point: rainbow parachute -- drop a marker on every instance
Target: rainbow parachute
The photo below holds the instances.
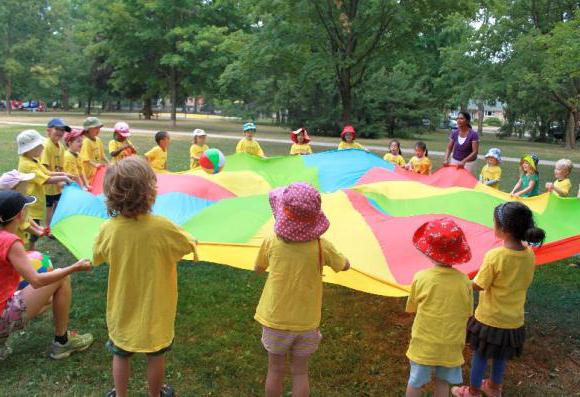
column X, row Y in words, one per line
column 373, row 207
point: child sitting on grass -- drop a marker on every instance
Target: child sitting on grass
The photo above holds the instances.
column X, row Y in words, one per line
column 92, row 153
column 562, row 185
column 497, row 331
column 157, row 157
column 198, row 147
column 120, row 146
column 142, row 251
column 442, row 299
column 529, row 183
column 301, row 141
column 248, row 144
column 491, row 172
column 348, row 139
column 394, row 155
column 52, row 158
column 72, row 162
column 291, row 302
column 420, row 162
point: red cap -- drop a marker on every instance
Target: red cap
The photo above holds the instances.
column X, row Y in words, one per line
column 348, row 128
column 71, row 135
column 294, row 135
column 443, row 241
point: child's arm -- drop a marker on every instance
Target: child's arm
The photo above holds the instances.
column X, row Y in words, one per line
column 262, row 262
column 517, row 186
column 530, row 187
column 561, row 193
column 58, row 180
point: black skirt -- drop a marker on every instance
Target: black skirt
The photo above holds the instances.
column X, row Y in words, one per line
column 495, row 343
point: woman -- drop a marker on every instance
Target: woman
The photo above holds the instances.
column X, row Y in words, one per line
column 463, row 144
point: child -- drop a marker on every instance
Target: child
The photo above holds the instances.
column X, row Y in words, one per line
column 157, row 157
column 139, row 320
column 92, row 153
column 248, row 144
column 420, row 162
column 45, row 289
column 348, row 139
column 198, row 147
column 497, row 330
column 491, row 172
column 301, row 141
column 291, row 302
column 562, row 185
column 442, row 297
column 30, row 147
column 52, row 158
column 529, row 181
column 120, row 146
column 72, row 162
column 394, row 154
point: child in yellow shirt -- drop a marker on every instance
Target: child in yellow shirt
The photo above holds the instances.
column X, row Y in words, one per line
column 157, row 157
column 92, row 152
column 52, row 158
column 291, row 303
column 198, row 147
column 72, row 162
column 491, row 172
column 141, row 304
column 120, row 146
column 442, row 299
column 394, row 155
column 301, row 141
column 348, row 139
column 496, row 332
column 420, row 162
column 248, row 144
column 562, row 185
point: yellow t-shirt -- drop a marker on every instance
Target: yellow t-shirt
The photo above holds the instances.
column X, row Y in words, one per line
column 490, row 173
column 353, row 145
column 398, row 159
column 564, row 185
column 142, row 286
column 292, row 297
column 52, row 158
column 115, row 145
column 195, row 151
column 92, row 151
column 421, row 165
column 505, row 276
column 297, row 148
column 442, row 297
column 35, row 186
column 250, row 147
column 73, row 164
column 22, row 231
column 157, row 158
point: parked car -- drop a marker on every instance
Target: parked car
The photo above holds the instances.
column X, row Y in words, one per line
column 558, row 131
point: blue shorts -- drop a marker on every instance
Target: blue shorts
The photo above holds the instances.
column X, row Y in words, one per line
column 117, row 351
column 421, row 374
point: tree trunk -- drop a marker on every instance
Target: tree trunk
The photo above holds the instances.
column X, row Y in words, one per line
column 173, row 97
column 571, row 129
column 480, row 115
column 9, row 95
column 463, row 107
column 64, row 97
column 89, row 104
column 147, row 108
column 345, row 85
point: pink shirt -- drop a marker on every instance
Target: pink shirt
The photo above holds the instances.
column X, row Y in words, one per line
column 9, row 277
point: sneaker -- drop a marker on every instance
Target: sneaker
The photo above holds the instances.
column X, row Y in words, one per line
column 5, row 350
column 488, row 390
column 76, row 343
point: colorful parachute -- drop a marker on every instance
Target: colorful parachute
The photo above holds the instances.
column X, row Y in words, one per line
column 373, row 207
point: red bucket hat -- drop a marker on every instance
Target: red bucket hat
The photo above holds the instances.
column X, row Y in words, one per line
column 443, row 241
column 294, row 135
column 348, row 128
column 298, row 214
column 71, row 135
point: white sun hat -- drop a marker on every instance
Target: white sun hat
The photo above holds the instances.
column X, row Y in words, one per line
column 28, row 140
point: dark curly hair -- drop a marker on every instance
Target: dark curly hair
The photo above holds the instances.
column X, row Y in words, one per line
column 517, row 220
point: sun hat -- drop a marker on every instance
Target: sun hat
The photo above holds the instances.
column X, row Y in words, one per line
column 199, row 132
column 122, row 129
column 72, row 135
column 11, row 203
column 249, row 126
column 348, row 129
column 91, row 122
column 294, row 135
column 10, row 179
column 28, row 140
column 443, row 241
column 532, row 159
column 58, row 123
column 298, row 213
column 495, row 153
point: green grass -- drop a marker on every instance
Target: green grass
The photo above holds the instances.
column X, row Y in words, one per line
column 218, row 351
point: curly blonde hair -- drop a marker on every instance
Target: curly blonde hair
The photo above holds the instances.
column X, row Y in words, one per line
column 130, row 188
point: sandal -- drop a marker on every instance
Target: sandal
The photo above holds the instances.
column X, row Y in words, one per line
column 462, row 391
column 490, row 391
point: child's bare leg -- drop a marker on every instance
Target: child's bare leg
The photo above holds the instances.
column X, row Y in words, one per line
column 155, row 374
column 413, row 391
column 276, row 372
column 121, row 372
column 300, row 381
column 441, row 388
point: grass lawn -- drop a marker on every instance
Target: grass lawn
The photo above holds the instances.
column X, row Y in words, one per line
column 218, row 351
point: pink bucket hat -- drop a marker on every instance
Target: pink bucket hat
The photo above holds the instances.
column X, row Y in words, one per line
column 297, row 213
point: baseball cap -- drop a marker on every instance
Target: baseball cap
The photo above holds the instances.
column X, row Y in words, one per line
column 10, row 179
column 58, row 123
column 11, row 203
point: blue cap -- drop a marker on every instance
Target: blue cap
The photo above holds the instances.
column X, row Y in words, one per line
column 58, row 123
column 249, row 126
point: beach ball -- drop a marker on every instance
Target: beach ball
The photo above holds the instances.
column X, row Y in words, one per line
column 212, row 161
column 41, row 264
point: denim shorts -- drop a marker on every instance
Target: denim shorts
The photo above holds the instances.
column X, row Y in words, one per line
column 117, row 351
column 421, row 374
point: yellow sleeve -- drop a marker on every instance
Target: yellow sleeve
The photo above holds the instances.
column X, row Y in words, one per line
column 469, row 300
column 240, row 146
column 486, row 273
column 102, row 150
column 341, row 145
column 400, row 161
column 411, row 306
column 45, row 156
column 331, row 257
column 565, row 186
column 358, row 146
column 99, row 246
column 260, row 151
column 309, row 149
column 112, row 147
column 430, row 164
column 40, row 176
column 293, row 149
column 179, row 242
column 262, row 261
column 150, row 155
column 85, row 153
column 69, row 165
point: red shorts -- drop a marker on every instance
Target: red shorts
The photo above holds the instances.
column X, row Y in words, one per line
column 13, row 317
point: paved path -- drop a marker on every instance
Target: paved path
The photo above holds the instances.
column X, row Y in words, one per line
column 282, row 141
